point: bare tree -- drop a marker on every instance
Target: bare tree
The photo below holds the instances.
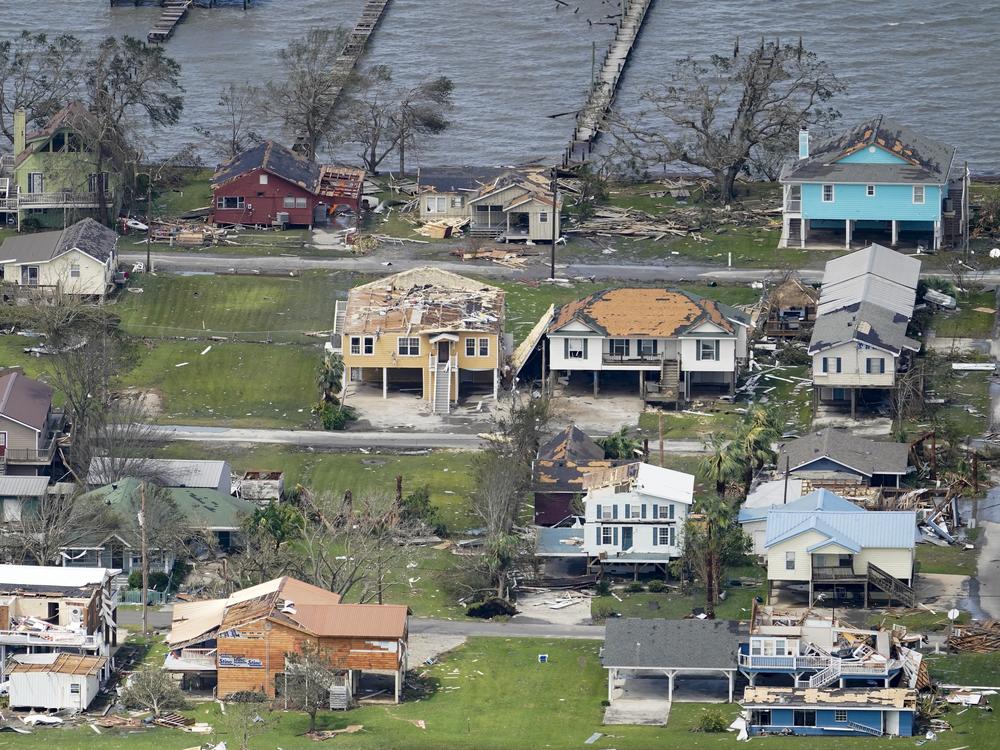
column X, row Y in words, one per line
column 302, row 97
column 48, row 525
column 119, row 441
column 38, row 74
column 720, row 112
column 239, row 104
column 152, row 689
column 243, row 721
column 308, row 679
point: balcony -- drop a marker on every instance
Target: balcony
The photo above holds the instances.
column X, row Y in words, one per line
column 783, row 663
column 191, row 660
column 836, row 573
column 55, row 637
column 64, row 199
column 633, row 358
column 47, row 444
column 793, row 205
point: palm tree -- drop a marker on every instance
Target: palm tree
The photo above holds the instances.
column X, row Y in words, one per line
column 705, row 544
column 620, row 444
column 330, row 378
column 754, row 443
column 720, row 465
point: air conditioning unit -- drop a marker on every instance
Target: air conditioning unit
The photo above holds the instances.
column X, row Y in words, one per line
column 282, row 217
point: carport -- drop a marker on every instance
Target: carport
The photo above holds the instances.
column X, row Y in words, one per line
column 650, row 650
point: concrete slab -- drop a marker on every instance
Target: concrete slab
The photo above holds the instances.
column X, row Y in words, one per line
column 642, row 700
column 408, row 411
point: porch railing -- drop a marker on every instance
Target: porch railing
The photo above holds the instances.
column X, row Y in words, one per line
column 64, row 198
column 784, row 662
column 793, row 205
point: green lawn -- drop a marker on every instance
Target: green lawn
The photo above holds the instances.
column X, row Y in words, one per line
column 193, row 191
column 258, row 385
column 965, row 669
column 916, row 620
column 967, row 322
column 255, row 307
column 493, row 694
column 952, row 560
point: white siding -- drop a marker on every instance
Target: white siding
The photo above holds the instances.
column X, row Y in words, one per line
column 643, row 529
column 725, row 363
column 853, row 367
column 895, row 562
column 557, row 353
column 50, row 690
column 93, row 280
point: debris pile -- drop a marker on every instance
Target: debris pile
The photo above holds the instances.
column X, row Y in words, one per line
column 981, row 638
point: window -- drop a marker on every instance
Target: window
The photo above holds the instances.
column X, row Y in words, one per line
column 362, row 345
column 263, row 179
column 604, row 512
column 708, row 349
column 543, row 217
column 828, row 193
column 664, row 512
column 74, row 688
column 457, row 201
column 666, row 536
column 789, row 561
column 231, row 201
column 29, row 275
column 605, row 535
column 74, row 270
column 576, row 348
column 484, row 347
column 647, row 347
column 831, row 364
column 470, row 347
column 36, row 182
column 409, row 346
column 840, row 715
column 870, row 191
column 301, row 203
column 760, row 717
column 288, row 202
column 918, row 195
column 97, row 183
column 875, row 366
column 633, row 511
column 618, row 347
column 437, row 205
column 804, row 718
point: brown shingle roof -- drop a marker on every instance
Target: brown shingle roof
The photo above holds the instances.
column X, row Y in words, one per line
column 642, row 312
column 25, row 400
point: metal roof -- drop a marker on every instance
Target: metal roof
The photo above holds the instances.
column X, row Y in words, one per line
column 876, row 274
column 171, row 472
column 26, row 577
column 821, row 500
column 671, row 644
column 876, row 529
column 200, row 507
column 841, row 446
column 559, row 542
column 15, row 486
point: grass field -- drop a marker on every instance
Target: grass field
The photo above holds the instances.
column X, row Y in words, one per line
column 951, row 560
column 967, row 322
column 493, row 694
column 916, row 620
column 965, row 669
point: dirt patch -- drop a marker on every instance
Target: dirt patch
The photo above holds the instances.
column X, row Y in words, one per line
column 424, row 646
column 151, row 402
column 551, row 607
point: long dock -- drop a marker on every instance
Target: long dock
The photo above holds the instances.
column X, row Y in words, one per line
column 174, row 11
column 594, row 113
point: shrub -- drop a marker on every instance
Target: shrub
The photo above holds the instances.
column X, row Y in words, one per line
column 157, row 581
column 656, row 586
column 712, row 721
column 603, row 587
column 635, row 587
column 602, row 611
column 334, row 417
column 605, row 703
column 491, row 608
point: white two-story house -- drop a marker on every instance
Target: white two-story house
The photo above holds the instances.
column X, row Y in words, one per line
column 634, row 518
column 859, row 343
column 673, row 342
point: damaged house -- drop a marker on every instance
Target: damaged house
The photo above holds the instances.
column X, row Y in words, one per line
column 880, row 181
column 239, row 644
column 425, row 331
column 557, row 474
column 791, row 308
column 671, row 343
column 883, row 712
column 859, row 345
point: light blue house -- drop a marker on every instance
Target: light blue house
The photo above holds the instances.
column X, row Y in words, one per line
column 840, row 712
column 878, row 182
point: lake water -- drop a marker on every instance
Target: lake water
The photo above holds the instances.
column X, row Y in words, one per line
column 514, row 63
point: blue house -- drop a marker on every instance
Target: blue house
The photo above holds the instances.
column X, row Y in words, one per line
column 878, row 182
column 880, row 712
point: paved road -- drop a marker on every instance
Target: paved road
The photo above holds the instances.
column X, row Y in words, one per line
column 512, row 629
column 359, row 439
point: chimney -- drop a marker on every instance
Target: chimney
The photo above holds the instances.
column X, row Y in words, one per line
column 804, row 143
column 20, row 124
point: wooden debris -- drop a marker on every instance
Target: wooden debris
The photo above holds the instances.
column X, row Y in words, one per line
column 983, row 638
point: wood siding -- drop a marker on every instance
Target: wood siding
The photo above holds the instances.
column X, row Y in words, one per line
column 18, row 436
column 263, row 203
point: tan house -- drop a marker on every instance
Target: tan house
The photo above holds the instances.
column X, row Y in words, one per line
column 29, row 427
column 445, row 192
column 80, row 260
column 424, row 330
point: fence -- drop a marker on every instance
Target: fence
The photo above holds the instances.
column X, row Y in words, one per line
column 134, row 596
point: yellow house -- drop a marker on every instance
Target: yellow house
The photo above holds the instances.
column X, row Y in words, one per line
column 424, row 330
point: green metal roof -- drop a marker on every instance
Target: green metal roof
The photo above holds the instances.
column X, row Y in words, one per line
column 200, row 507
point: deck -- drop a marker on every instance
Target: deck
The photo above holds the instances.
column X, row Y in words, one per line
column 592, row 116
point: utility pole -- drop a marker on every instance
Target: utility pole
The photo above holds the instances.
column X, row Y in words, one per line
column 787, row 461
column 659, row 428
column 149, row 219
column 145, row 559
column 554, row 186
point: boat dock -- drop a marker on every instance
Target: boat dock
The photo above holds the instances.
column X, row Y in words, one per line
column 600, row 98
column 174, row 11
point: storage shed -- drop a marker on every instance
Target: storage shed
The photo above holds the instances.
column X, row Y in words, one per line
column 54, row 681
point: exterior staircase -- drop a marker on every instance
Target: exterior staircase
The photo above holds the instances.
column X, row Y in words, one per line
column 895, row 588
column 442, row 389
column 866, row 729
column 826, row 676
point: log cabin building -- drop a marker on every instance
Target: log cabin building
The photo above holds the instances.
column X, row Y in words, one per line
column 240, row 643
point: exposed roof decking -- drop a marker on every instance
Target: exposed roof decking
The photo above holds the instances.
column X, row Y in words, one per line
column 645, row 479
column 897, row 698
column 571, row 444
column 272, row 157
column 76, row 665
column 865, row 323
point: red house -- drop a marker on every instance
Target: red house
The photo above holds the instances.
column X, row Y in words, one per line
column 271, row 185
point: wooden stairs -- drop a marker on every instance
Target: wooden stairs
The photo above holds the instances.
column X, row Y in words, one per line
column 892, row 586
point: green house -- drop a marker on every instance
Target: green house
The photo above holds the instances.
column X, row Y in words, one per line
column 52, row 180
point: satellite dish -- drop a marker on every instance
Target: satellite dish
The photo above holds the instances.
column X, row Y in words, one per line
column 953, row 614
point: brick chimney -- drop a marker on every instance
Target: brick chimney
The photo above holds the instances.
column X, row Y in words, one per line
column 804, row 143
column 20, row 125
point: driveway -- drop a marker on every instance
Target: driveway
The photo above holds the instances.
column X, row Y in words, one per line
column 641, row 700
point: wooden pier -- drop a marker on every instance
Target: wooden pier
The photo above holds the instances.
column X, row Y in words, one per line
column 594, row 113
column 174, row 11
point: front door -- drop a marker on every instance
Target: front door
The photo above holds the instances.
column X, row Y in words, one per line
column 117, row 557
column 626, row 537
column 444, row 352
column 3, row 444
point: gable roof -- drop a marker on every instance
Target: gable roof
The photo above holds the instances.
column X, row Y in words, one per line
column 924, row 159
column 646, row 311
column 865, row 323
column 571, row 444
column 458, row 179
column 72, row 115
column 424, row 299
column 200, row 507
column 876, row 274
column 565, row 459
column 839, row 445
column 87, row 235
column 817, row 500
column 670, row 644
column 875, row 529
column 172, row 472
column 25, row 400
column 274, row 158
column 645, row 479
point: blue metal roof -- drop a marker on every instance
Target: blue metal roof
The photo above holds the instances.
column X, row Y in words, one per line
column 852, row 530
column 818, row 500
